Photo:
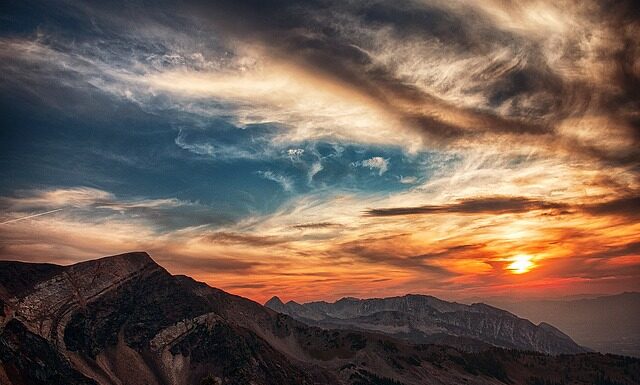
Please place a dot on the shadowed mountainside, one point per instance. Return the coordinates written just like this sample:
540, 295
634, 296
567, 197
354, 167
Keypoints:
125, 320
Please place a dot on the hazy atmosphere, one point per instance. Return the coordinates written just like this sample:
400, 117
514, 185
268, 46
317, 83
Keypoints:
323, 149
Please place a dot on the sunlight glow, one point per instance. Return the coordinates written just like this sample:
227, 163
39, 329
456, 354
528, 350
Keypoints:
521, 264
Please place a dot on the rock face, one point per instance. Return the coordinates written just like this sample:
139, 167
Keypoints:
124, 320
426, 319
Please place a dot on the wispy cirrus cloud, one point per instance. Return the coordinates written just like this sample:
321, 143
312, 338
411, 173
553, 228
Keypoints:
282, 180
519, 88
87, 203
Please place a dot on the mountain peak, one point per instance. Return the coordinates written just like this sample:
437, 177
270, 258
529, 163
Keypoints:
274, 301
130, 261
133, 256
348, 299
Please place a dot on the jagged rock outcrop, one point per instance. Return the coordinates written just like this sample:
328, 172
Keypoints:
426, 319
124, 320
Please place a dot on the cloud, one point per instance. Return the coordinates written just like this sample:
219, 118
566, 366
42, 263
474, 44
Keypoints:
482, 56
314, 169
316, 225
200, 149
377, 162
628, 206
220, 151
411, 74
246, 239
632, 248
57, 198
295, 153
95, 205
408, 179
373, 250
82, 197
488, 205
209, 264
283, 181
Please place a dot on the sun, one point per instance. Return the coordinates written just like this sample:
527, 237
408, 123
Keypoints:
521, 264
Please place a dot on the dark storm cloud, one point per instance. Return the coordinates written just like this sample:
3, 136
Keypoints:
489, 205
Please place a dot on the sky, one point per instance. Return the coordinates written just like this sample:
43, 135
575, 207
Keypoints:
321, 149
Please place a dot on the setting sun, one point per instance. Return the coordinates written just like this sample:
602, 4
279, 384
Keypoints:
521, 264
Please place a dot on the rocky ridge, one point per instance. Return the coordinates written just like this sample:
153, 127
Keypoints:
427, 319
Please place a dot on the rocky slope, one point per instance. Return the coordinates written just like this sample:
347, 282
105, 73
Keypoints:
426, 319
124, 320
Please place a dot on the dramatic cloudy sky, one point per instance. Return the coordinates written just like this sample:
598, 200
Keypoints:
321, 149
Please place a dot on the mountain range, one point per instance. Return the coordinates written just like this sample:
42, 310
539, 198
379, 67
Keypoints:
427, 319
124, 320
607, 324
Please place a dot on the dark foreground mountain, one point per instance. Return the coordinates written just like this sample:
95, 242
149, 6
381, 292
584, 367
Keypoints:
426, 319
125, 320
606, 323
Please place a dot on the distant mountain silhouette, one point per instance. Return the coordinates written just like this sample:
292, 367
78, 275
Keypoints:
427, 319
125, 320
608, 324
